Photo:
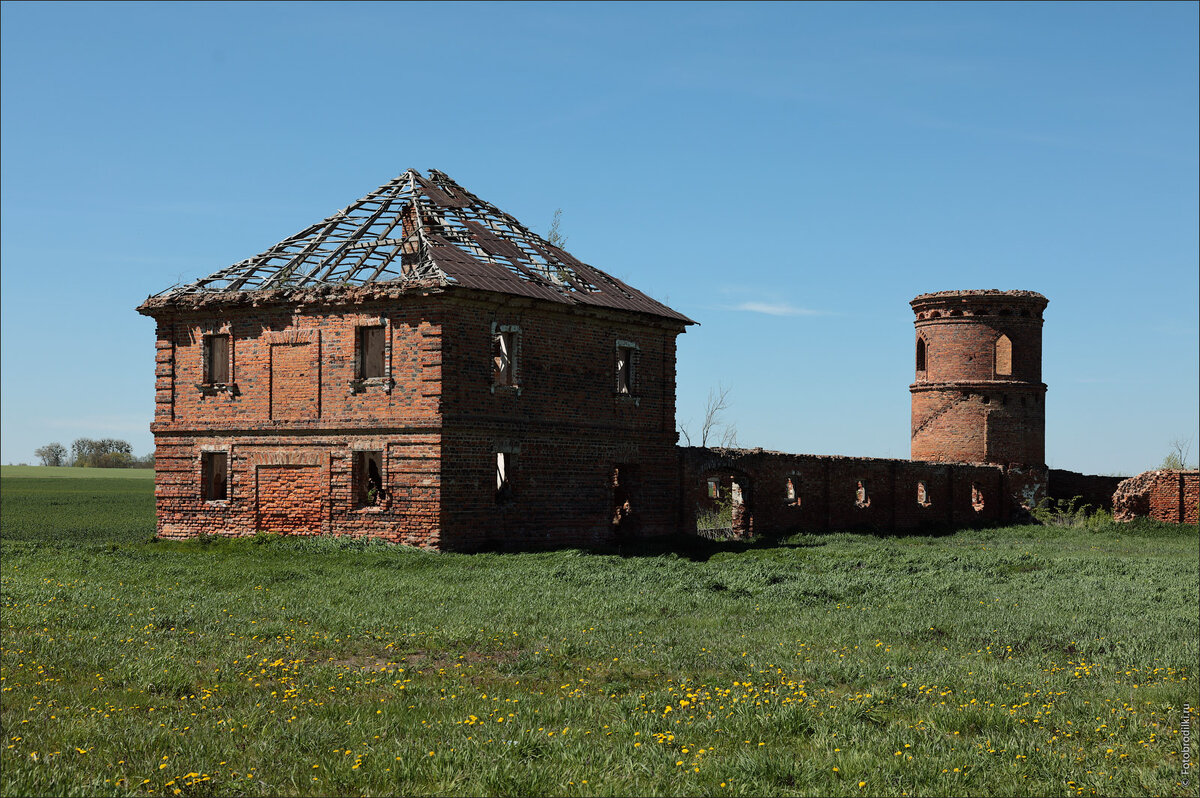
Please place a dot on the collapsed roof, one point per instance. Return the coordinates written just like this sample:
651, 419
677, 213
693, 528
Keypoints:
418, 231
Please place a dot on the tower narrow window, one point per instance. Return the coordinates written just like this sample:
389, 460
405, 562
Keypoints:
371, 342
214, 476
1003, 356
216, 359
920, 353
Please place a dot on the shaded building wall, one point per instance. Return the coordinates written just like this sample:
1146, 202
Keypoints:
836, 493
1165, 495
590, 464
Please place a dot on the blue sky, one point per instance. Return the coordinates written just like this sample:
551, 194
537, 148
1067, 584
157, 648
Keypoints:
788, 175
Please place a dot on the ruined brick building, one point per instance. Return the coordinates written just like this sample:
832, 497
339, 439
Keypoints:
420, 367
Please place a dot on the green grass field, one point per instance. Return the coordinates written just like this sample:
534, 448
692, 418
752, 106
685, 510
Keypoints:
1015, 661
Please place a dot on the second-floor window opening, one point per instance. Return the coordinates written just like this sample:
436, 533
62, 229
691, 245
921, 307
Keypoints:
1003, 356
504, 354
920, 354
216, 359
371, 342
625, 369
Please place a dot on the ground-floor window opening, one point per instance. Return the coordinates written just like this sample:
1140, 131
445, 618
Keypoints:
923, 495
214, 476
505, 466
369, 489
625, 508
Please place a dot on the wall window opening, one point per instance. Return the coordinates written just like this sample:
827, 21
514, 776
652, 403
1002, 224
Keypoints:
923, 495
371, 345
216, 359
714, 487
1003, 356
791, 491
625, 367
624, 484
976, 498
861, 497
368, 479
504, 356
505, 465
920, 354
214, 476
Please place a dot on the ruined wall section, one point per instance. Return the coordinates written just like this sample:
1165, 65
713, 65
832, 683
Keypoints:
795, 492
1090, 488
978, 396
1165, 495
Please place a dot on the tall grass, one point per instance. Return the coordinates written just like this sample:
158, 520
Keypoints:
1019, 661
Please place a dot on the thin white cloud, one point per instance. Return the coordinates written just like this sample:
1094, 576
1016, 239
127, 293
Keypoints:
776, 309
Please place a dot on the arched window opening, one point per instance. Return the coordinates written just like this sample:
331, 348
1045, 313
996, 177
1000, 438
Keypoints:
861, 497
920, 353
792, 492
976, 498
923, 495
1003, 356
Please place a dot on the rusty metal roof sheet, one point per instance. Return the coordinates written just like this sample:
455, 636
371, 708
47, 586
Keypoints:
418, 230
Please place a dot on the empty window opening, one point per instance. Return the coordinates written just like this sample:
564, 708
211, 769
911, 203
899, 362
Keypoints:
923, 495
505, 465
1003, 356
625, 375
624, 484
920, 354
792, 491
216, 359
504, 350
371, 342
724, 512
214, 476
861, 497
976, 498
368, 479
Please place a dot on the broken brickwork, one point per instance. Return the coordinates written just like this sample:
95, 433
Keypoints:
1165, 495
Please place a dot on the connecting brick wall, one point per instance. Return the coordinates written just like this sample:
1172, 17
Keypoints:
1172, 496
294, 412
1091, 489
830, 492
978, 395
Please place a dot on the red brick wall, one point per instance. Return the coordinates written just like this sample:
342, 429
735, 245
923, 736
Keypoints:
827, 491
295, 412
1172, 496
963, 410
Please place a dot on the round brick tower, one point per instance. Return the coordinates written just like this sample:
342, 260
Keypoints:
979, 396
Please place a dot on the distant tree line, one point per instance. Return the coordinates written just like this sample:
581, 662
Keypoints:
88, 453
